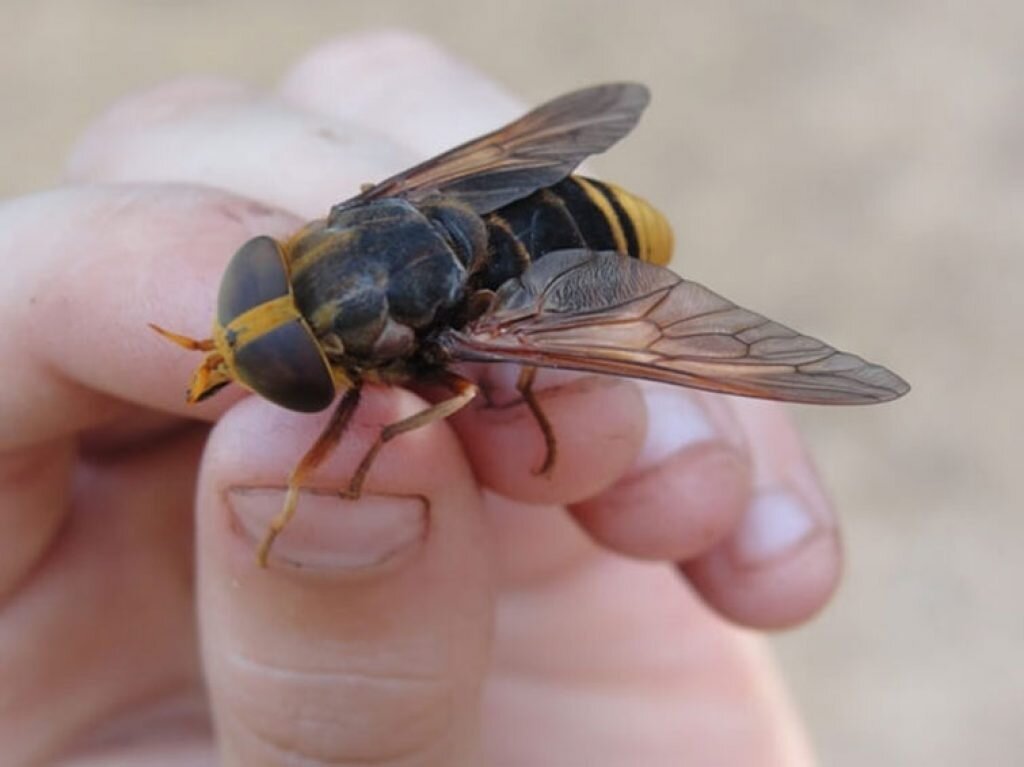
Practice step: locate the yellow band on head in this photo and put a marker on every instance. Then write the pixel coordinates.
(256, 322)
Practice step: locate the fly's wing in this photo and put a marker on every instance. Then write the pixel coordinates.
(537, 150)
(608, 313)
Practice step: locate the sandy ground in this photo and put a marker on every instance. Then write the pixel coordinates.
(852, 168)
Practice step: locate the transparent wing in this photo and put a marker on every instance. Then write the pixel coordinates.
(537, 150)
(607, 313)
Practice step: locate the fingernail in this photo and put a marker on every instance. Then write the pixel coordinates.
(329, 532)
(676, 420)
(776, 523)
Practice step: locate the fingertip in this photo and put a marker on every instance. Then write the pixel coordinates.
(372, 50)
(100, 145)
(777, 569)
(106, 261)
(687, 488)
(376, 612)
(783, 560)
(675, 510)
(401, 83)
(256, 444)
(217, 133)
(598, 425)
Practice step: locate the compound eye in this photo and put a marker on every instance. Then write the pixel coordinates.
(256, 274)
(287, 367)
(284, 365)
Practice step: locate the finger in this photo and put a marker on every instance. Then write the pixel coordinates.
(366, 641)
(403, 85)
(222, 134)
(783, 560)
(597, 422)
(687, 489)
(653, 656)
(91, 267)
(99, 633)
(87, 270)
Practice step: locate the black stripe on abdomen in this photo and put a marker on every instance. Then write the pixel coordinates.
(622, 218)
(563, 216)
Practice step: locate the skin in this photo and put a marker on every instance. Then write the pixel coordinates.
(465, 611)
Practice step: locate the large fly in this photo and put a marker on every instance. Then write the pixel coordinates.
(495, 252)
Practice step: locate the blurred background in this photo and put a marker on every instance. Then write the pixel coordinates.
(852, 168)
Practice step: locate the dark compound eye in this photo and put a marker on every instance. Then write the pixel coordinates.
(284, 365)
(256, 274)
(287, 367)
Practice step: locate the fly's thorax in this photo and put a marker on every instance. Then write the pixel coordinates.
(462, 228)
(372, 279)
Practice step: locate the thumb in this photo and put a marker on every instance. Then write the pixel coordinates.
(366, 639)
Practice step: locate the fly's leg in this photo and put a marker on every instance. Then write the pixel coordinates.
(525, 387)
(324, 444)
(464, 391)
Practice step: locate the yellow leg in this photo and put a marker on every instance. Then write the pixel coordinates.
(324, 444)
(465, 390)
(525, 387)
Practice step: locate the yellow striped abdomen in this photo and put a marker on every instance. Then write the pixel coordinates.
(576, 212)
(654, 241)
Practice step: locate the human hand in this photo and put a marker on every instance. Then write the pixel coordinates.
(464, 611)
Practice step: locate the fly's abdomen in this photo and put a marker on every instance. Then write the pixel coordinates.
(576, 212)
(644, 225)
